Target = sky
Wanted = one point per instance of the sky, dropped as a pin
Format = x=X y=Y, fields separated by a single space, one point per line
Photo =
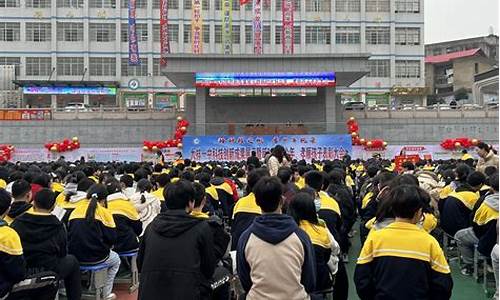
x=447 y=20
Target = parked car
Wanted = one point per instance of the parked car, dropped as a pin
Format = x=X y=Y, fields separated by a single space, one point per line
x=76 y=106
x=354 y=105
x=470 y=106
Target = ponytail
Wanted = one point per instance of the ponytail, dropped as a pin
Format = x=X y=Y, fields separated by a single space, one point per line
x=143 y=198
x=96 y=193
x=90 y=214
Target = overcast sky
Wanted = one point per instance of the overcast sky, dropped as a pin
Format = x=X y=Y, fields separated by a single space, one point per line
x=456 y=19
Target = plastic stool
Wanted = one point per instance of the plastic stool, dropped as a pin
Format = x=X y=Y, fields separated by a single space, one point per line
x=134 y=283
x=478 y=259
x=98 y=275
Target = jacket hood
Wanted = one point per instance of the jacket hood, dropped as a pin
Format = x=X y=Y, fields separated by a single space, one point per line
x=217 y=181
x=492 y=201
x=273 y=228
x=136 y=200
x=17 y=208
x=78 y=197
x=117 y=196
x=173 y=223
x=40 y=226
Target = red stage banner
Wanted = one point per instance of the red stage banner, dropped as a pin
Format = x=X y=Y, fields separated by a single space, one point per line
x=164 y=39
x=257 y=27
x=287 y=26
x=400 y=159
x=196 y=28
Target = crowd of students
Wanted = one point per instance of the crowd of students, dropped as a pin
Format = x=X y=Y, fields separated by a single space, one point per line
x=283 y=226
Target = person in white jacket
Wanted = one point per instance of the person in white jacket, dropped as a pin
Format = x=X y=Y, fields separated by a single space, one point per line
x=147 y=205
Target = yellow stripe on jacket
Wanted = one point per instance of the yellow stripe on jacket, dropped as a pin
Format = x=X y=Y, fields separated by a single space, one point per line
x=247 y=204
x=199 y=214
x=466 y=197
x=366 y=200
x=317 y=233
x=404 y=240
x=212 y=191
x=224 y=187
x=484 y=214
x=159 y=194
x=57 y=187
x=430 y=222
x=447 y=190
x=10 y=242
x=328 y=203
x=123 y=207
x=62 y=203
x=301 y=182
x=102 y=214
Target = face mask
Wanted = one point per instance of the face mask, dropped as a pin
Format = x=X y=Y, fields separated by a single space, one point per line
x=317 y=204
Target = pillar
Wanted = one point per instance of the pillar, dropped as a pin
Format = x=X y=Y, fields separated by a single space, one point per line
x=53 y=101
x=86 y=99
x=200 y=111
x=333 y=111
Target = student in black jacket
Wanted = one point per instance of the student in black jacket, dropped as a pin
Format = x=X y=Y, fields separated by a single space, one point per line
x=21 y=192
x=176 y=253
x=44 y=241
x=12 y=265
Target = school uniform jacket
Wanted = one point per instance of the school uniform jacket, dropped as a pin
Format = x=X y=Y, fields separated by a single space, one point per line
x=91 y=242
x=484 y=223
x=402 y=261
x=12 y=265
x=456 y=209
x=127 y=220
x=331 y=214
x=245 y=211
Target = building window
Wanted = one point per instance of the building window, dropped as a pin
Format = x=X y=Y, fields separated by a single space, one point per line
x=16 y=61
x=378 y=35
x=348 y=5
x=266 y=34
x=38 y=66
x=173 y=32
x=318 y=35
x=407 y=68
x=70 y=3
x=248 y=34
x=378 y=5
x=296 y=35
x=318 y=5
x=476 y=68
x=38 y=32
x=296 y=5
x=218 y=34
x=187 y=33
x=102 y=32
x=408 y=6
x=236 y=4
x=172 y=4
x=205 y=4
x=347 y=35
x=70 y=66
x=236 y=34
x=102 y=66
x=138 y=3
x=141 y=30
x=218 y=4
x=69 y=32
x=379 y=68
x=187 y=4
x=10 y=31
x=9 y=3
x=206 y=33
x=102 y=3
x=38 y=3
x=407 y=36
x=140 y=70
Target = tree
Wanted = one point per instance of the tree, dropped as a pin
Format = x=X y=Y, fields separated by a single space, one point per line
x=461 y=94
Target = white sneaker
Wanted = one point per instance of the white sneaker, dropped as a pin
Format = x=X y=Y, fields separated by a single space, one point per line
x=111 y=296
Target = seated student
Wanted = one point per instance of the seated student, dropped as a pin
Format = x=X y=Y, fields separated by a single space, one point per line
x=326 y=249
x=262 y=269
x=289 y=187
x=73 y=193
x=128 y=223
x=226 y=191
x=12 y=264
x=483 y=229
x=402 y=261
x=21 y=192
x=177 y=250
x=456 y=209
x=162 y=180
x=221 y=241
x=127 y=183
x=147 y=205
x=44 y=240
x=92 y=234
x=246 y=209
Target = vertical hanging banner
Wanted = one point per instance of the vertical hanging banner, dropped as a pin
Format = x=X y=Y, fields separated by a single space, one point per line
x=164 y=38
x=287 y=26
x=133 y=46
x=257 y=27
x=196 y=28
x=227 y=26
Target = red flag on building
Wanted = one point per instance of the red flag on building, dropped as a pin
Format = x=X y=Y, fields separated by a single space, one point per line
x=243 y=2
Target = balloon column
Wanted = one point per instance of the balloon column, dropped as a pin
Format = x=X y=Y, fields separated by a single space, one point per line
x=6 y=152
x=63 y=146
x=353 y=129
x=180 y=131
x=458 y=143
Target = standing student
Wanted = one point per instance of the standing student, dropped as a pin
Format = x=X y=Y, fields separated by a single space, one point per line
x=275 y=258
x=277 y=160
x=44 y=241
x=486 y=157
x=176 y=254
x=402 y=261
x=92 y=235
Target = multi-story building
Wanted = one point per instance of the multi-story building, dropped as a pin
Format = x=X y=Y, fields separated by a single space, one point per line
x=488 y=44
x=75 y=42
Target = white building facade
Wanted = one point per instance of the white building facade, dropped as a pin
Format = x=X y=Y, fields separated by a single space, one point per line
x=86 y=40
